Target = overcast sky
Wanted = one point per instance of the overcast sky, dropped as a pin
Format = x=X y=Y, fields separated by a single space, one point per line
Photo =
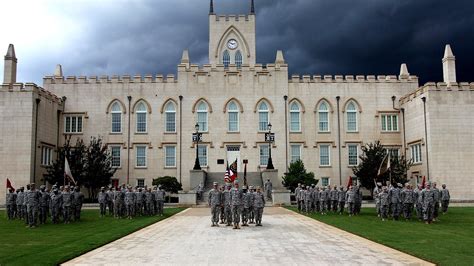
x=92 y=37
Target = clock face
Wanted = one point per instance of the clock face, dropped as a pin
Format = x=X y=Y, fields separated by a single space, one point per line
x=232 y=44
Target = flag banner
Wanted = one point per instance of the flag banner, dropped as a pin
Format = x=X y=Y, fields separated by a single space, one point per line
x=350 y=182
x=233 y=171
x=67 y=172
x=423 y=182
x=385 y=165
x=226 y=175
x=245 y=174
x=9 y=184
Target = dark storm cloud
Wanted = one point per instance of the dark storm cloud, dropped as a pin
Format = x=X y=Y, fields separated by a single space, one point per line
x=317 y=37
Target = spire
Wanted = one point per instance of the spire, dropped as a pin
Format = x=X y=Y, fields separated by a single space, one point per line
x=59 y=71
x=185 y=58
x=449 y=66
x=10 y=52
x=404 y=70
x=211 y=8
x=252 y=7
x=9 y=67
x=280 y=60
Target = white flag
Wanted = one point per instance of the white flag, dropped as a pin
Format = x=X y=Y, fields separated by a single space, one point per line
x=67 y=171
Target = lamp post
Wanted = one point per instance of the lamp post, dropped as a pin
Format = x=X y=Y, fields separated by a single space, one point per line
x=196 y=138
x=270 y=137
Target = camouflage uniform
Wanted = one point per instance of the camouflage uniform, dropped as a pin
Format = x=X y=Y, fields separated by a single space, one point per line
x=308 y=199
x=259 y=204
x=341 y=198
x=300 y=199
x=20 y=198
x=408 y=197
x=110 y=201
x=149 y=202
x=78 y=199
x=445 y=197
x=33 y=201
x=395 y=200
x=140 y=199
x=297 y=191
x=251 y=195
x=428 y=199
x=227 y=207
x=350 y=199
x=118 y=203
x=323 y=200
x=55 y=205
x=358 y=200
x=437 y=199
x=44 y=204
x=334 y=198
x=214 y=200
x=316 y=201
x=130 y=199
x=384 y=202
x=418 y=199
x=246 y=203
x=236 y=200
x=377 y=191
x=103 y=198
x=160 y=201
x=268 y=189
x=67 y=205
x=11 y=204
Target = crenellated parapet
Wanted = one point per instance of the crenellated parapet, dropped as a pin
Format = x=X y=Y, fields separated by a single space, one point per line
x=440 y=86
x=352 y=79
x=232 y=68
x=234 y=18
x=31 y=87
x=114 y=79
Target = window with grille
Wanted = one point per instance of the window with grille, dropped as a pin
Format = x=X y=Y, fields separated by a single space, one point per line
x=202 y=155
x=170 y=156
x=295 y=152
x=202 y=117
x=324 y=155
x=141 y=112
x=416 y=153
x=73 y=124
x=116 y=112
x=226 y=59
x=263 y=117
x=115 y=150
x=238 y=59
x=351 y=113
x=141 y=156
x=264 y=155
x=324 y=181
x=323 y=113
x=233 y=112
x=170 y=113
x=353 y=154
x=389 y=122
x=141 y=183
x=295 y=125
x=46 y=155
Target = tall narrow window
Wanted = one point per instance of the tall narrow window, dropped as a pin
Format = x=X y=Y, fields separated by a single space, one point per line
x=226 y=59
x=170 y=117
x=353 y=154
x=170 y=156
x=264 y=154
x=115 y=150
x=263 y=117
x=323 y=113
x=238 y=59
x=141 y=118
x=233 y=112
x=116 y=112
x=416 y=153
x=202 y=117
x=141 y=156
x=324 y=155
x=295 y=153
x=202 y=153
x=351 y=112
x=295 y=125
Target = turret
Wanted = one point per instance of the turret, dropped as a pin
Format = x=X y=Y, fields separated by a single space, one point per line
x=211 y=8
x=185 y=58
x=449 y=66
x=404 y=71
x=252 y=8
x=59 y=71
x=9 y=70
x=279 y=60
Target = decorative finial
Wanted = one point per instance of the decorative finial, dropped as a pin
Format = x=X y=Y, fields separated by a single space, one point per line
x=252 y=7
x=404 y=70
x=10 y=52
x=211 y=7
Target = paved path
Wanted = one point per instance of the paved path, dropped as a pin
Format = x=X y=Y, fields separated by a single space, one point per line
x=286 y=238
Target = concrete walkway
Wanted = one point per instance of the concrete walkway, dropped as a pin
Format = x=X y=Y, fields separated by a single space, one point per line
x=286 y=238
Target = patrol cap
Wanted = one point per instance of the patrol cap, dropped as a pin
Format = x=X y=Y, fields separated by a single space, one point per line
x=244 y=187
x=214 y=184
x=379 y=184
x=42 y=187
x=236 y=182
x=102 y=188
x=250 y=187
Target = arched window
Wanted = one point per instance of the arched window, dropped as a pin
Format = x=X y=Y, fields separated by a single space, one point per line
x=238 y=59
x=233 y=112
x=170 y=117
x=323 y=114
x=351 y=112
x=116 y=112
x=202 y=116
x=141 y=118
x=263 y=117
x=295 y=125
x=226 y=59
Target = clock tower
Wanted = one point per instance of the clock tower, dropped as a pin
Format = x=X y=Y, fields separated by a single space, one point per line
x=232 y=38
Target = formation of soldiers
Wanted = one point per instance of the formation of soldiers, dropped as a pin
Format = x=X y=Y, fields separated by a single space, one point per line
x=326 y=199
x=128 y=202
x=35 y=206
x=231 y=204
x=396 y=201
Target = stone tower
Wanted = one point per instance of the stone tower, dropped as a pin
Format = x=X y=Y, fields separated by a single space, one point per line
x=232 y=37
x=9 y=71
x=449 y=66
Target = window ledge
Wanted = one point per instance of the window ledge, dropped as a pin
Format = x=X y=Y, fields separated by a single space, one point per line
x=324 y=132
x=115 y=133
x=233 y=132
x=352 y=132
x=141 y=167
x=390 y=132
x=325 y=166
x=70 y=133
x=171 y=167
x=170 y=133
x=418 y=163
x=141 y=133
x=296 y=132
x=117 y=167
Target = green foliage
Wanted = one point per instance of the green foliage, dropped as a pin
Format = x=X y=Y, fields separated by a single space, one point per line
x=372 y=156
x=168 y=184
x=297 y=174
x=449 y=241
x=57 y=243
x=75 y=157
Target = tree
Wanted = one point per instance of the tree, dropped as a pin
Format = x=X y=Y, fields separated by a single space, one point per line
x=75 y=157
x=370 y=161
x=98 y=166
x=168 y=184
x=297 y=174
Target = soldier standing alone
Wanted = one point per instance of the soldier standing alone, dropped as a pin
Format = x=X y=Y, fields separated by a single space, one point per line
x=103 y=199
x=445 y=197
x=268 y=189
x=259 y=204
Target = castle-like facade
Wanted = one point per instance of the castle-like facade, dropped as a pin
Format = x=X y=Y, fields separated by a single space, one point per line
x=148 y=121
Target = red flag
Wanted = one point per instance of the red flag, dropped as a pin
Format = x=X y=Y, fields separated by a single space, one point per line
x=9 y=184
x=350 y=182
x=423 y=183
x=233 y=171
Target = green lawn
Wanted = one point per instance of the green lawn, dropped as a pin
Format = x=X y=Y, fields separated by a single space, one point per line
x=51 y=244
x=450 y=241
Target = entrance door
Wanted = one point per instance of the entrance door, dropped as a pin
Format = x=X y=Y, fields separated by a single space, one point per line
x=233 y=152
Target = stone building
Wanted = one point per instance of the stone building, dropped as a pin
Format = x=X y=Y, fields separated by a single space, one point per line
x=148 y=120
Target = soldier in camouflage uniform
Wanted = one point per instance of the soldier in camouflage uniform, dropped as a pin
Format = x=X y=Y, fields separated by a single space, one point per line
x=350 y=199
x=334 y=198
x=358 y=200
x=20 y=197
x=25 y=204
x=118 y=201
x=78 y=200
x=227 y=205
x=428 y=199
x=110 y=200
x=316 y=200
x=160 y=200
x=214 y=201
x=44 y=204
x=251 y=207
x=55 y=204
x=300 y=198
x=324 y=200
x=308 y=199
x=67 y=205
x=259 y=204
x=246 y=196
x=408 y=198
x=395 y=200
x=418 y=202
x=445 y=197
x=377 y=191
x=384 y=202
x=297 y=191
x=437 y=199
x=268 y=187
x=341 y=199
x=149 y=206
x=11 y=203
x=236 y=204
x=103 y=198
x=130 y=199
x=140 y=199
x=33 y=201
